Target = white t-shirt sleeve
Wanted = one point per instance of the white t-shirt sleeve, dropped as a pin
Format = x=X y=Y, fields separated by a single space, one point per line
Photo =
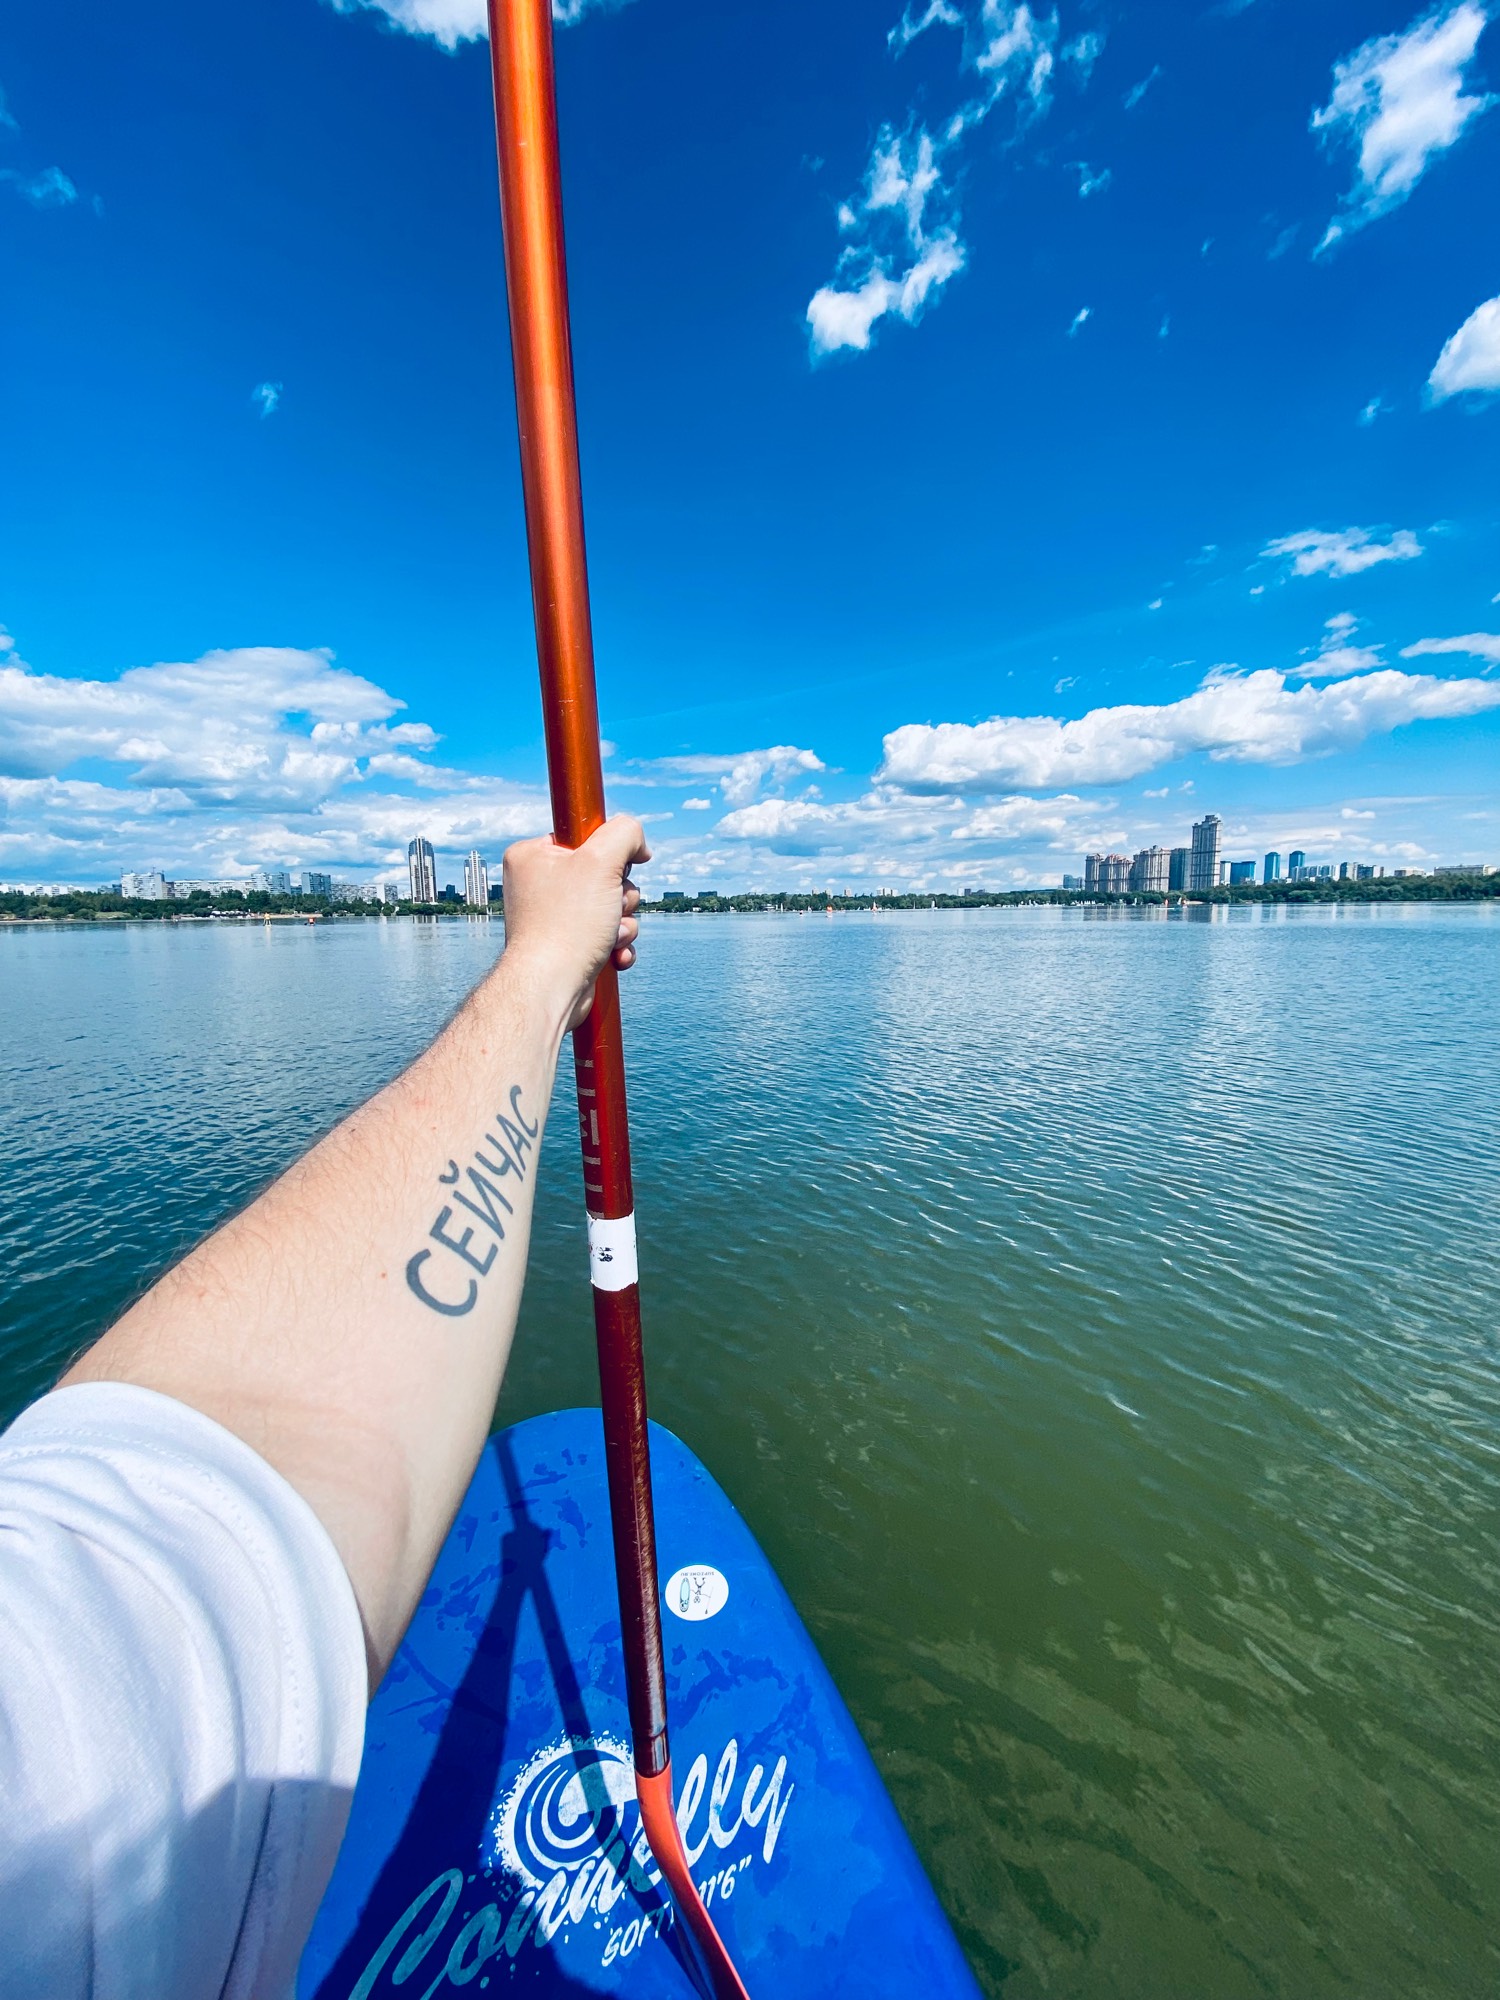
x=182 y=1705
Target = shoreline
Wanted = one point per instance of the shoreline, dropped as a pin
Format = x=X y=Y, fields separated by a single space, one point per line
x=85 y=908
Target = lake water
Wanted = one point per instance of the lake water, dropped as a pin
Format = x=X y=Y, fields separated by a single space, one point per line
x=1096 y=1315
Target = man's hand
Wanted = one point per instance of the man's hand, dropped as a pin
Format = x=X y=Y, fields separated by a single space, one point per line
x=570 y=910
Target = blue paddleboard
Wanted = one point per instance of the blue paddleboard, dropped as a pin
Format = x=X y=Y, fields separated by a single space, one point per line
x=495 y=1841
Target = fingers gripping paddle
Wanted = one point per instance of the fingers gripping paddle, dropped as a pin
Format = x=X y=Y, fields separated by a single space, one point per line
x=537 y=287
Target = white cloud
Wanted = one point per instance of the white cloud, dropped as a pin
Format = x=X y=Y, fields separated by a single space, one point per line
x=1478 y=645
x=1080 y=319
x=888 y=231
x=739 y=774
x=1471 y=357
x=1335 y=661
x=260 y=754
x=1342 y=552
x=1376 y=407
x=266 y=396
x=450 y=22
x=1137 y=91
x=840 y=317
x=1242 y=718
x=1090 y=182
x=1083 y=52
x=1336 y=656
x=937 y=14
x=902 y=242
x=889 y=818
x=1399 y=100
x=222 y=727
x=697 y=805
x=50 y=188
x=1014 y=48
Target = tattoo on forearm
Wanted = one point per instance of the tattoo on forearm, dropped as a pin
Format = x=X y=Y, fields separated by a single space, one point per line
x=478 y=1188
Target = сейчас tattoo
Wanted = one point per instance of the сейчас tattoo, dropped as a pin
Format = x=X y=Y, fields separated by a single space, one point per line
x=485 y=1199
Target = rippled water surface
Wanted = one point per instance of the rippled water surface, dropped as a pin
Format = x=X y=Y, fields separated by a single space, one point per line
x=1096 y=1318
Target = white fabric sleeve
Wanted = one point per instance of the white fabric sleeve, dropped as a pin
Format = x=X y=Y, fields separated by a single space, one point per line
x=182 y=1705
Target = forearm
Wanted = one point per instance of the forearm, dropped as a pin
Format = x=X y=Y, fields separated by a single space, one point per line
x=353 y=1323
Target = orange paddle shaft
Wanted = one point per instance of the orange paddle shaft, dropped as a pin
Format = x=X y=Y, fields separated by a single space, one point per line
x=541 y=352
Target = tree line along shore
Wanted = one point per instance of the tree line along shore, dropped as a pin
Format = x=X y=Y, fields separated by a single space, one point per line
x=87 y=906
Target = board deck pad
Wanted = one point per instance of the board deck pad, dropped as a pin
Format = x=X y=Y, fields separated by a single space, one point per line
x=495 y=1840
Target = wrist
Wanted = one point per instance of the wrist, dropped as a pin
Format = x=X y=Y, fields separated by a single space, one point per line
x=544 y=982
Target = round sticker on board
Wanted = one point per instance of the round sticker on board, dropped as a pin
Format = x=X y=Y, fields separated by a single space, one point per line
x=697 y=1592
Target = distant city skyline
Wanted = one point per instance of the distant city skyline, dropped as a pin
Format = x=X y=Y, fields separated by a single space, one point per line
x=1200 y=866
x=419 y=884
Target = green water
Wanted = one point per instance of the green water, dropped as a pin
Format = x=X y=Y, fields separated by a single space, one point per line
x=1095 y=1316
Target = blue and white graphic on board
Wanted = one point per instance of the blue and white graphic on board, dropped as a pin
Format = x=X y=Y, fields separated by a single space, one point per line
x=495 y=1841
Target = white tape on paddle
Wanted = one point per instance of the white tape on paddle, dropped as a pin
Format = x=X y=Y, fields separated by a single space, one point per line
x=612 y=1261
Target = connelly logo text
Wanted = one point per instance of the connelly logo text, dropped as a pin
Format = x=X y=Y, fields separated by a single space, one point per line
x=568 y=1836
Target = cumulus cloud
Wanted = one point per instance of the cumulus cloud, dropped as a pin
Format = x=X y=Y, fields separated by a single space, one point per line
x=1232 y=717
x=260 y=754
x=1342 y=552
x=1399 y=102
x=1079 y=320
x=890 y=818
x=224 y=727
x=901 y=230
x=450 y=22
x=1478 y=645
x=266 y=396
x=1471 y=357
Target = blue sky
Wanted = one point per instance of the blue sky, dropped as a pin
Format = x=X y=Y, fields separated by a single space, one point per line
x=1005 y=433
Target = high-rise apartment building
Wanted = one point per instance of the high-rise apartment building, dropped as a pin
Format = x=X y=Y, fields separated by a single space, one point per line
x=1296 y=861
x=1177 y=867
x=1241 y=871
x=316 y=883
x=1203 y=868
x=1151 y=869
x=476 y=881
x=146 y=885
x=1114 y=874
x=1271 y=868
x=421 y=868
